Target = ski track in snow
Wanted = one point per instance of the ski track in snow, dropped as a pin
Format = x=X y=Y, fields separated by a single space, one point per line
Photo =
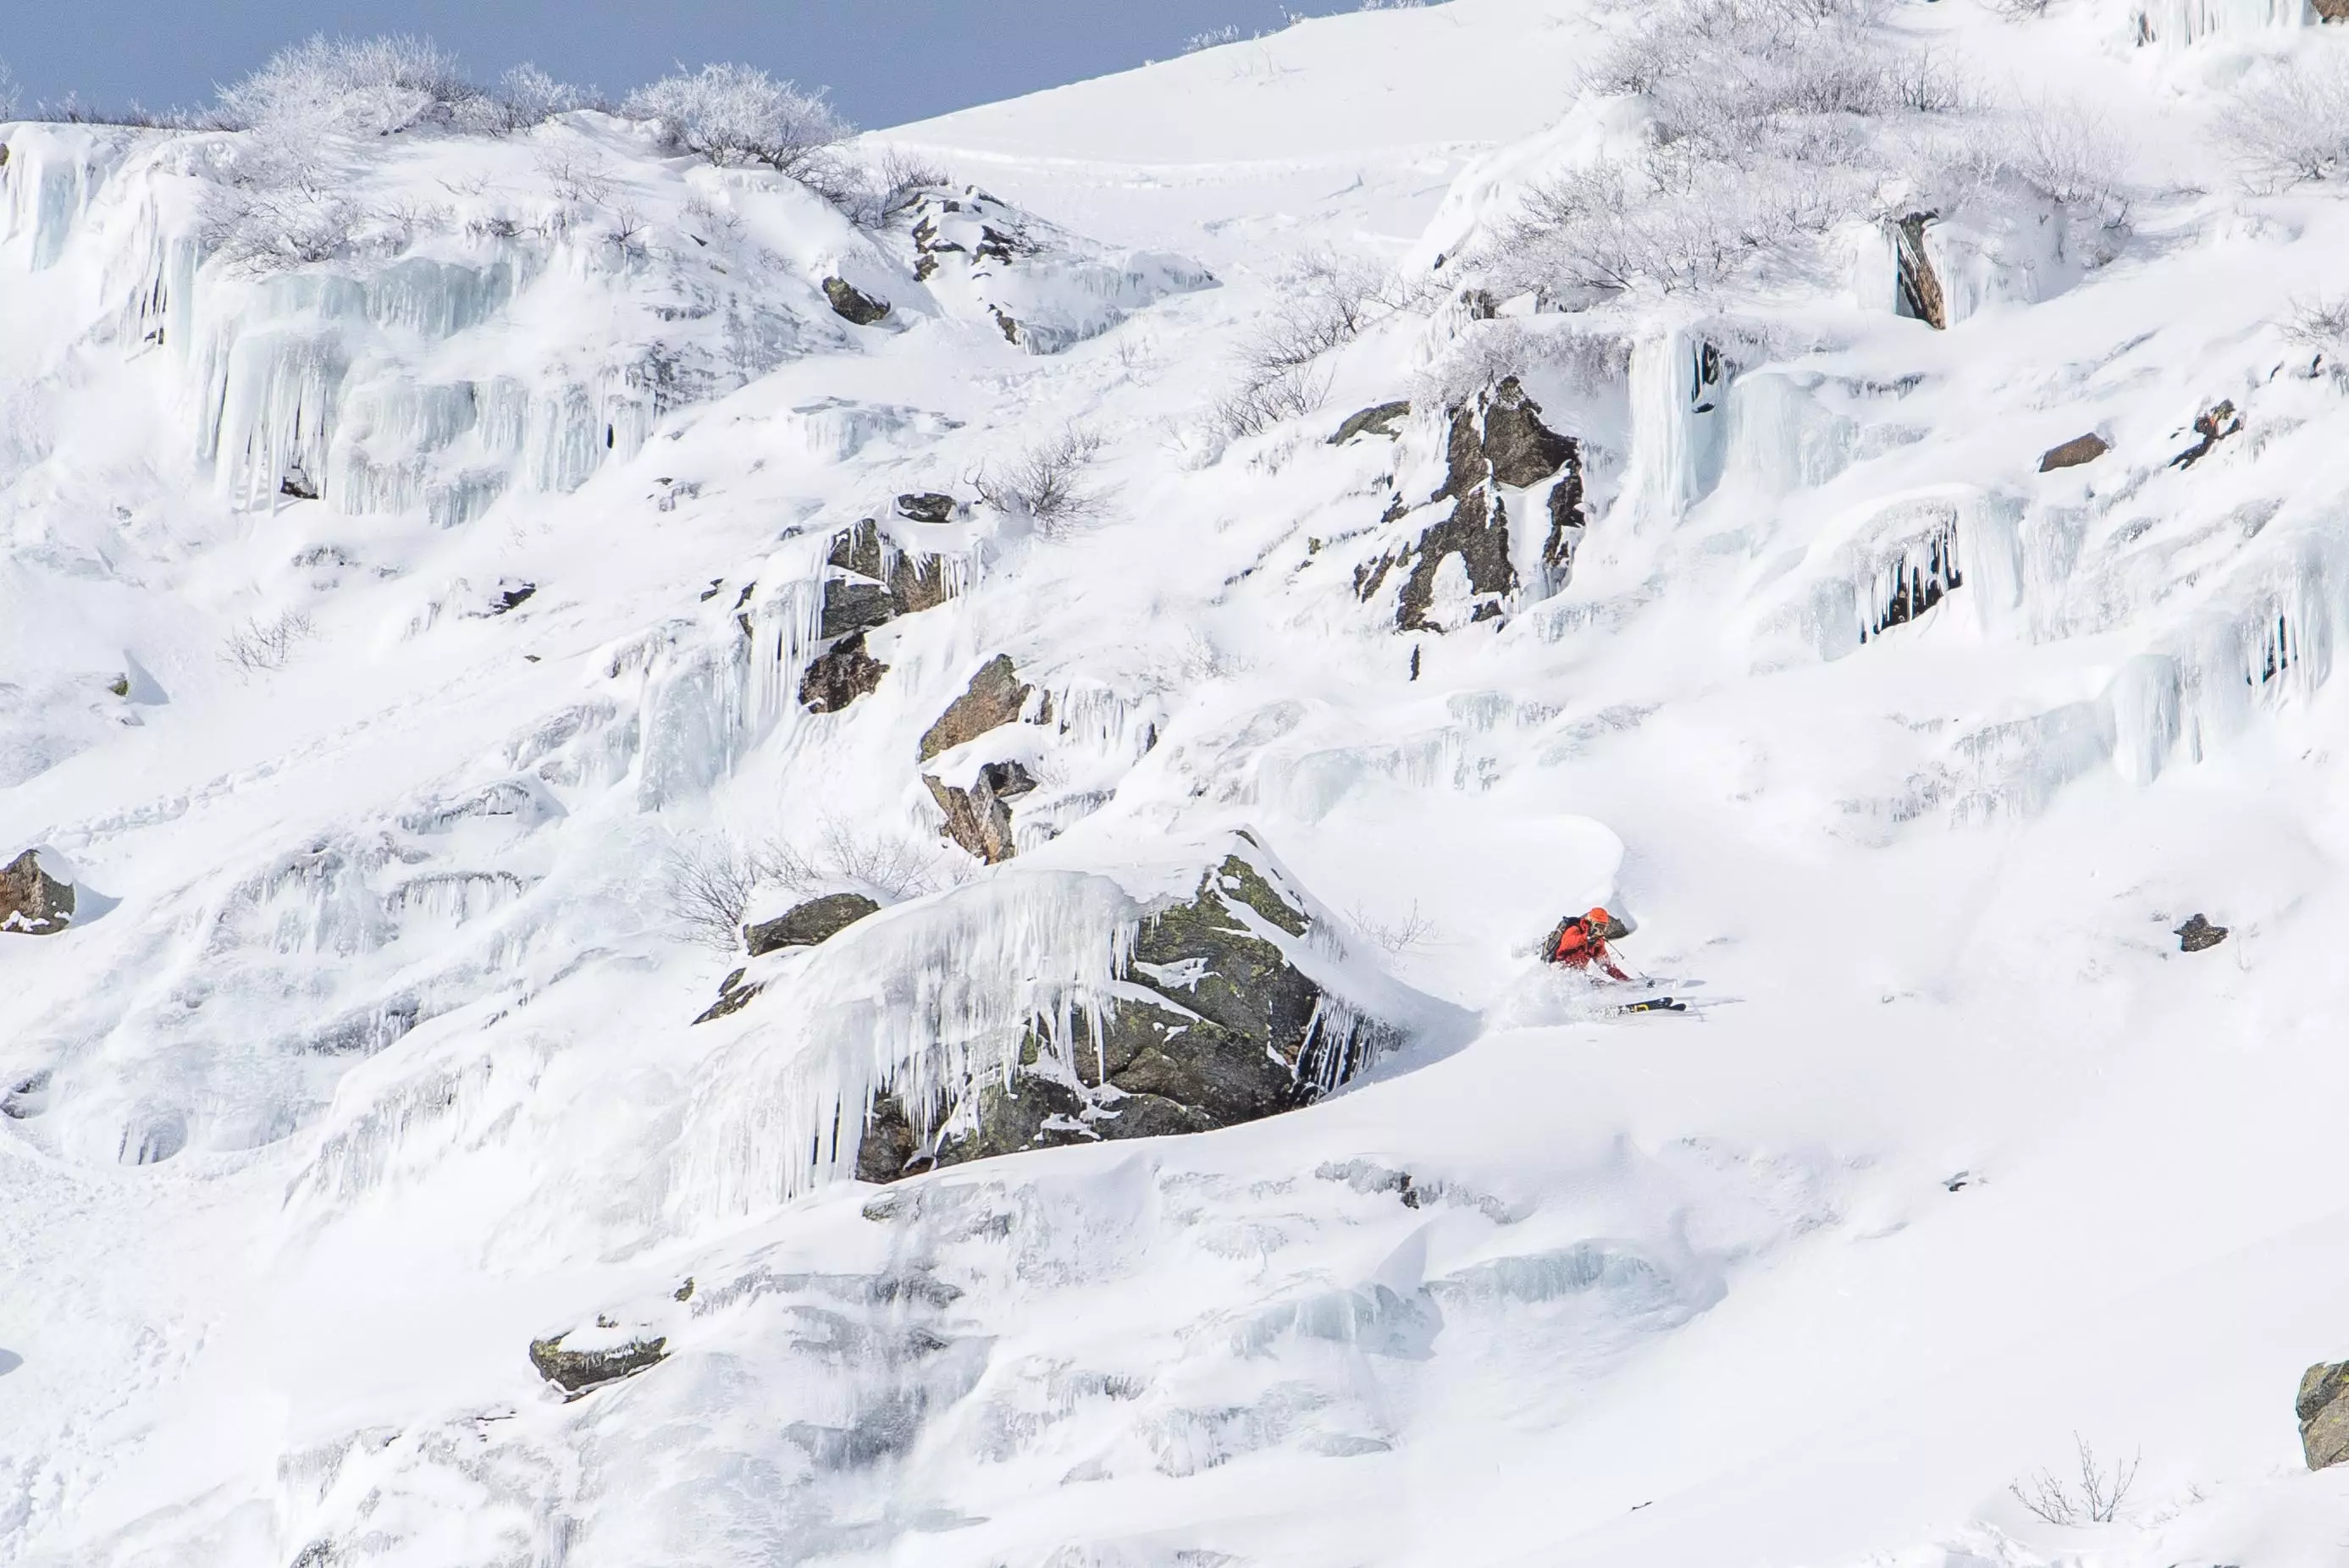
x=369 y=1061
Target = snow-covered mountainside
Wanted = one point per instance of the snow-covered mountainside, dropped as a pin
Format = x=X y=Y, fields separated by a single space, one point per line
x=696 y=874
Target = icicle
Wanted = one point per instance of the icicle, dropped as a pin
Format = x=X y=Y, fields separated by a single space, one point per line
x=2179 y=23
x=1679 y=387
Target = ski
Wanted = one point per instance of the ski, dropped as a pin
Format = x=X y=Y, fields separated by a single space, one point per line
x=1654 y=1005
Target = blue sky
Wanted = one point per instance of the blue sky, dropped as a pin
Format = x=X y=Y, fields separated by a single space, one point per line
x=886 y=61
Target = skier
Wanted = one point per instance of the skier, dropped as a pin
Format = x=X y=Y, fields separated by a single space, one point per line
x=1580 y=941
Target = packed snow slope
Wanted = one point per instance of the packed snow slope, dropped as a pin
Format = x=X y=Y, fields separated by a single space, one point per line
x=391 y=620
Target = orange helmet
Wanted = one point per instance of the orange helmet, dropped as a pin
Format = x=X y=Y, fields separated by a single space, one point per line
x=1600 y=917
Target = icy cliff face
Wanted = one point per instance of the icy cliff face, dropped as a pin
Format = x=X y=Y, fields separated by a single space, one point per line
x=1849 y=487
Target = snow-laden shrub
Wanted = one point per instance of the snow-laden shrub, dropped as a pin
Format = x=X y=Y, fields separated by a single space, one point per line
x=2290 y=123
x=365 y=86
x=254 y=230
x=739 y=114
x=378 y=86
x=873 y=191
x=8 y=92
x=527 y=96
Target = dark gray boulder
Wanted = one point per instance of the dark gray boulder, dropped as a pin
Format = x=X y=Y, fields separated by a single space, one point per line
x=1377 y=421
x=996 y=697
x=2323 y=1408
x=852 y=305
x=32 y=902
x=2198 y=933
x=2079 y=449
x=577 y=1371
x=1496 y=441
x=806 y=924
x=871 y=585
x=1217 y=1025
x=840 y=674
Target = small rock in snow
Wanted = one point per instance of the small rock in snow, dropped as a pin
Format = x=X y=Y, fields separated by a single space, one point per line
x=2198 y=933
x=2079 y=449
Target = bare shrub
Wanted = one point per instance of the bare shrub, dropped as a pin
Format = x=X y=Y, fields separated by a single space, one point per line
x=710 y=884
x=1262 y=400
x=8 y=93
x=2322 y=323
x=733 y=114
x=894 y=866
x=259 y=646
x=1046 y=483
x=2290 y=124
x=1213 y=37
x=1412 y=931
x=2101 y=1488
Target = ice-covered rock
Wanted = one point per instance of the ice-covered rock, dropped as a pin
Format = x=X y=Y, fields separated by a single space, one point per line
x=1213 y=1024
x=1458 y=569
x=1044 y=288
x=577 y=1369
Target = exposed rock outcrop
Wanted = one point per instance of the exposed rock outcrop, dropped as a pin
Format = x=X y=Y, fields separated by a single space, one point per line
x=2323 y=1408
x=979 y=818
x=32 y=902
x=996 y=697
x=1496 y=443
x=992 y=266
x=1217 y=1025
x=870 y=584
x=577 y=1371
x=805 y=924
x=734 y=994
x=1919 y=286
x=852 y=305
x=1379 y=421
x=2079 y=449
x=840 y=674
x=2198 y=933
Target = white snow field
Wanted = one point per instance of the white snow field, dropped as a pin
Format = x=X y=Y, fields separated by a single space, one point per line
x=387 y=614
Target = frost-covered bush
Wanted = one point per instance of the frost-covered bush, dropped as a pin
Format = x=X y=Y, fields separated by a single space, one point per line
x=873 y=191
x=365 y=86
x=256 y=230
x=2290 y=123
x=8 y=92
x=379 y=87
x=738 y=114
